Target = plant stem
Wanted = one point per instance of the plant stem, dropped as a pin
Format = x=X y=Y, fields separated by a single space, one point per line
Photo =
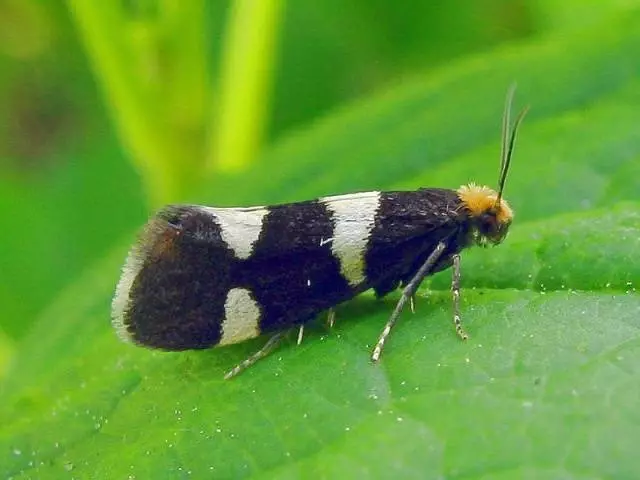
x=133 y=106
x=249 y=57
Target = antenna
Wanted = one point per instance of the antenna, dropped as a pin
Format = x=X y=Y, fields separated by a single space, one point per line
x=509 y=135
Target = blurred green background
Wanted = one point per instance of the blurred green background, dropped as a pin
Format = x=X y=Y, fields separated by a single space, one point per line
x=111 y=109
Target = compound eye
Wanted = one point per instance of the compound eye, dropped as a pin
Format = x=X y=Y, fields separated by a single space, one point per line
x=488 y=225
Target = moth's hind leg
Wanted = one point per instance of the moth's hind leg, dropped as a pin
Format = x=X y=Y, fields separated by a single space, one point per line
x=331 y=317
x=268 y=347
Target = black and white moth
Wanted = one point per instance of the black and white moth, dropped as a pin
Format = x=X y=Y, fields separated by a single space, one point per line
x=200 y=277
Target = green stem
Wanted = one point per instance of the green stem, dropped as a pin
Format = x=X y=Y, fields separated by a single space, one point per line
x=245 y=84
x=187 y=86
x=134 y=109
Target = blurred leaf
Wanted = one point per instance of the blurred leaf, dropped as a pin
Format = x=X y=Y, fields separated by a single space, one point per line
x=334 y=51
x=574 y=14
x=547 y=386
x=6 y=353
x=24 y=29
x=66 y=190
x=60 y=224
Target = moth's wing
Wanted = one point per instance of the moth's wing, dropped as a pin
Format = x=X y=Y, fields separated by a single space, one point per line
x=409 y=227
x=348 y=243
x=293 y=270
x=292 y=260
x=175 y=282
x=354 y=221
x=406 y=215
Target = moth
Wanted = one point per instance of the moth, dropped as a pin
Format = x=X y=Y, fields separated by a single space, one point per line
x=200 y=277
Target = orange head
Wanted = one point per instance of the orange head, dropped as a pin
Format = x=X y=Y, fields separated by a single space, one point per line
x=490 y=219
x=489 y=213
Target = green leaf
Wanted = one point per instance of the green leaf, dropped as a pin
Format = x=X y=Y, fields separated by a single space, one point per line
x=547 y=385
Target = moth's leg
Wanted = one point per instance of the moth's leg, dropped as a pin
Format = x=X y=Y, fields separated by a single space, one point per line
x=300 y=333
x=407 y=293
x=263 y=352
x=331 y=318
x=412 y=303
x=455 y=292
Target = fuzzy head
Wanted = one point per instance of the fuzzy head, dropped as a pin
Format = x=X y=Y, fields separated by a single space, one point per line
x=490 y=216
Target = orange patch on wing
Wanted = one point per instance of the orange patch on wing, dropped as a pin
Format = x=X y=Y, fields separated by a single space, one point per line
x=163 y=242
